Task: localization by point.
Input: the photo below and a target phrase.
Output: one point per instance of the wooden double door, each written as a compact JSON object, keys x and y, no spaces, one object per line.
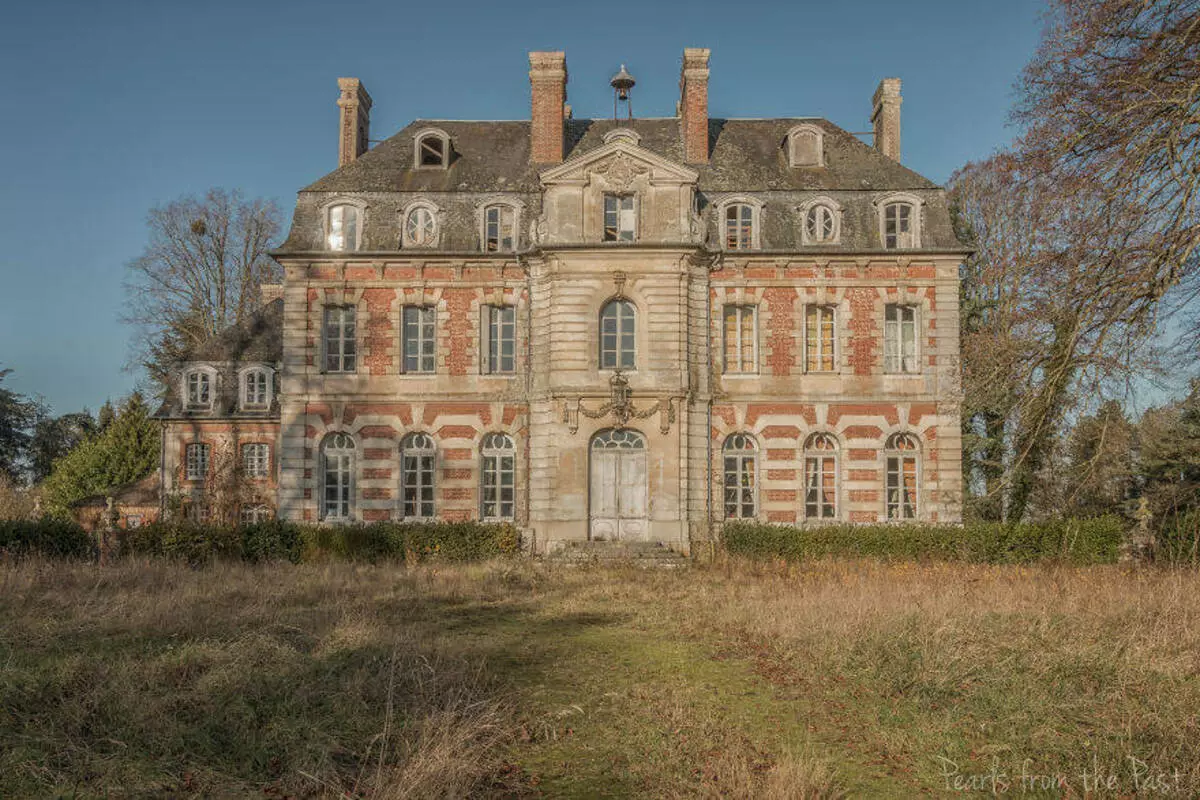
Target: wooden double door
{"x":617,"y":504}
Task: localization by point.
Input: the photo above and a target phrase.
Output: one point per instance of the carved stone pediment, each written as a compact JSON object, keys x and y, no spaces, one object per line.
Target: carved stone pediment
{"x":619,"y":162}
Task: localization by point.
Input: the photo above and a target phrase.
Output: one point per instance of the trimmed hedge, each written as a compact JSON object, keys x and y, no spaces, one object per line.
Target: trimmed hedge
{"x":284,"y":541}
{"x":1078,"y":541}
{"x":47,"y":537}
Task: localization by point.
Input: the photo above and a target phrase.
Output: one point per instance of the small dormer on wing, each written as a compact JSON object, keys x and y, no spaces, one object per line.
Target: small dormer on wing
{"x":618,"y":194}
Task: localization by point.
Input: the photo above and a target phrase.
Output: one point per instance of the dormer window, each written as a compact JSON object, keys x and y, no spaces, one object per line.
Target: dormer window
{"x":620,"y":222}
{"x":900,"y":222}
{"x":805,"y":146}
{"x":821,"y":222}
{"x":499,"y":229}
{"x":198,"y":389}
{"x":431,"y":149}
{"x":739,"y":226}
{"x":256,"y":388}
{"x":342,"y":227}
{"x":420,"y":226}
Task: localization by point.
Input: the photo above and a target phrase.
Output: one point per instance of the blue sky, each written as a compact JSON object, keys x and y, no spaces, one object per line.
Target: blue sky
{"x":118,"y":106}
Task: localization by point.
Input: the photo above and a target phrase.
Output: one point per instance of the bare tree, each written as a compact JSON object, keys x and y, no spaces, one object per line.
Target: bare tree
{"x":200,"y":272}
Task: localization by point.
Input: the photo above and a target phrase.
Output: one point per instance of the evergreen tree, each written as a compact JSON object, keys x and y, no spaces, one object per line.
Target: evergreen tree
{"x":53,"y":438}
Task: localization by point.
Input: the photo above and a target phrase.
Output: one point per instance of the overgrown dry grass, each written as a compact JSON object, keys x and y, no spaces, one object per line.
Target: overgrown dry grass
{"x":834,"y":678}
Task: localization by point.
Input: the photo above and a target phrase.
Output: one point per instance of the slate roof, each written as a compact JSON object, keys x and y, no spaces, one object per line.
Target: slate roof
{"x":746,"y":155}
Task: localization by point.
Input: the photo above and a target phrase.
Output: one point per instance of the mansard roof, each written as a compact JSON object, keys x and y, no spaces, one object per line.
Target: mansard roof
{"x":746,"y":155}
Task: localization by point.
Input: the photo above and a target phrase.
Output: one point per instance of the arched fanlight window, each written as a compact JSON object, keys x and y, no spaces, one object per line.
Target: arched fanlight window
{"x":337,"y":477}
{"x":342,"y":227}
{"x":820,"y":477}
{"x":498,"y":478}
{"x":618,"y":439}
{"x":417,"y":456}
{"x":741,"y":476}
{"x":903,"y":454}
{"x":420,"y":227}
{"x":618,"y":340}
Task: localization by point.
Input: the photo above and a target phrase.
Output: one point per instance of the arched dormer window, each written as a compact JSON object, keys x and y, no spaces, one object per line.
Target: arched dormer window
{"x":499,"y":228}
{"x":820,"y":477}
{"x":420,"y":225}
{"x":618,"y":337}
{"x":806,"y":146}
{"x":741,"y":476}
{"x":821,"y":222}
{"x":417,"y":455}
{"x":255,"y":389}
{"x":899,"y":221}
{"x":740,"y":219}
{"x":343,"y":226}
{"x":337,"y":477}
{"x":199,"y":388}
{"x":431,"y":149}
{"x":903,"y":454}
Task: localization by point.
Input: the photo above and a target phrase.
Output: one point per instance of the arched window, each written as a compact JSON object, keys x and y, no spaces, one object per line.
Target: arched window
{"x":741,"y":476}
{"x":342,"y":227}
{"x":417,"y":455}
{"x":899,"y":221}
{"x":256,"y":388}
{"x":420,"y":227}
{"x":432,"y":149}
{"x":499,"y":229}
{"x":903,"y":455}
{"x":820,"y":477}
{"x":618,"y":320}
{"x":805,"y":146}
{"x":618,"y":439}
{"x":337,"y":477}
{"x":198,"y":389}
{"x":739,"y":226}
{"x":498,"y":479}
{"x":821,"y":224}
{"x":253,"y":515}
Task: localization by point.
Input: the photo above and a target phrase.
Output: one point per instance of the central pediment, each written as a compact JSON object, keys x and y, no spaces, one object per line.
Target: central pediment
{"x":619,"y":163}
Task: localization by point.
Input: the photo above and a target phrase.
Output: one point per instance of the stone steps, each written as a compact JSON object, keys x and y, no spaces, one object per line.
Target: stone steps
{"x":638,"y":554}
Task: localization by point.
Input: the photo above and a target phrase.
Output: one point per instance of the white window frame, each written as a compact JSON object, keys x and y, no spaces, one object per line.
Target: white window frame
{"x":342,"y":355}
{"x":895,"y":360}
{"x":422,"y":479}
{"x":492,"y":471}
{"x":893,"y":462}
{"x":423,"y":134}
{"x":835,"y":356}
{"x":342,"y":446}
{"x":756,"y":223}
{"x":833,"y":209}
{"x":492,"y":336}
{"x":330,"y":211}
{"x":485,"y":224}
{"x":209,"y":374}
{"x":245,"y":374}
{"x":254,"y":514}
{"x":197,"y":459}
{"x":423,"y":333}
{"x":915,"y":204}
{"x":433,"y":221}
{"x":622,"y":215}
{"x":793,"y":139}
{"x":739,"y":310}
{"x":626,"y":313}
{"x":820,"y":457}
{"x":260,"y":461}
{"x":738,"y":451}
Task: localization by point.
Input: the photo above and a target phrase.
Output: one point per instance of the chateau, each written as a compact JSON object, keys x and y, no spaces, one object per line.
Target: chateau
{"x":622,"y":328}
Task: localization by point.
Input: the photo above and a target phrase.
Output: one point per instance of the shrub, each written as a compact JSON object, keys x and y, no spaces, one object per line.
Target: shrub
{"x":55,"y":538}
{"x":1179,"y":539}
{"x":1081,"y":541}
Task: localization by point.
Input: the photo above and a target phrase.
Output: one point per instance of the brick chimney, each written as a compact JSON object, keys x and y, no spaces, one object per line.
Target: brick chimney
{"x":354,"y":127}
{"x":548,"y":79}
{"x":693,"y":105}
{"x":885,"y":115}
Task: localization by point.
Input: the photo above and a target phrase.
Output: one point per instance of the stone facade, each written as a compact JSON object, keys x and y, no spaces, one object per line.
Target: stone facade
{"x":570,"y":323}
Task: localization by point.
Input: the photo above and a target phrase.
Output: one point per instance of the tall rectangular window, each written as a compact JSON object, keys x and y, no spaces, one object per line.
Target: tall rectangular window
{"x":741,"y":339}
{"x":900,"y":339}
{"x":197,"y":462}
{"x":341,"y":347}
{"x":499,"y":477}
{"x":419,"y":338}
{"x":902,"y":487}
{"x":499,"y":229}
{"x":619,"y":219}
{"x":897,"y":226}
{"x":500,"y":339}
{"x":256,"y":460}
{"x":820,"y":332}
